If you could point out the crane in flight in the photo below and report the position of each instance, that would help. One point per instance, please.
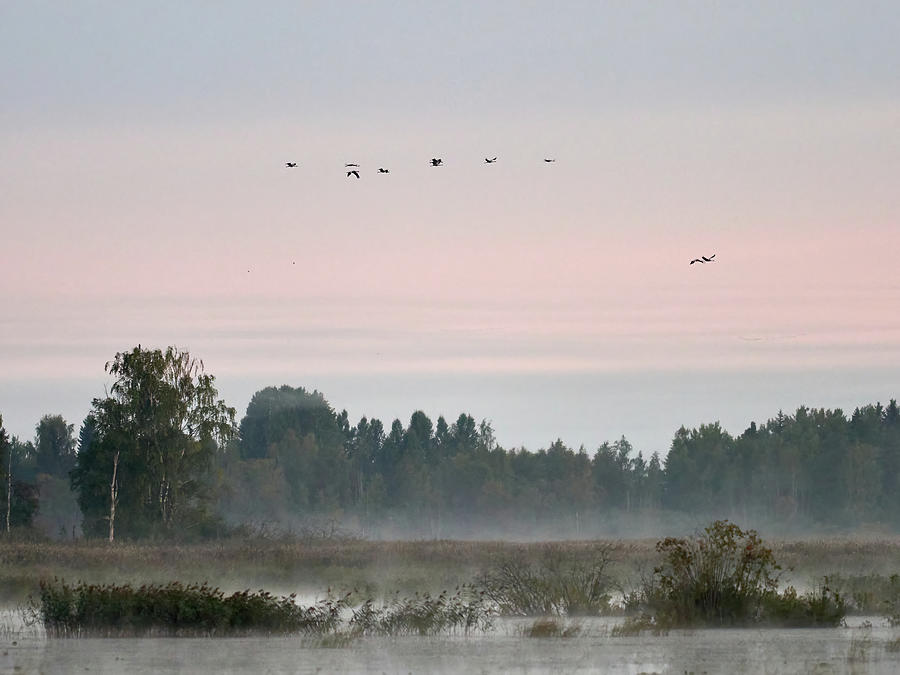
(703, 259)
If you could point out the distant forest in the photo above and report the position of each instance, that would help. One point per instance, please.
(162, 456)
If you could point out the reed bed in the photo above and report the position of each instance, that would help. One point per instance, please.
(199, 610)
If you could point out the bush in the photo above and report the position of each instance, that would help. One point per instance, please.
(822, 607)
(724, 576)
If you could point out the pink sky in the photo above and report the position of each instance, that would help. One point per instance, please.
(140, 185)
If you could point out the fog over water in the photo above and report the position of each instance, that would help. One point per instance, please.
(853, 649)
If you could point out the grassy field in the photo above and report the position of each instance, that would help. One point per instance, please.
(377, 568)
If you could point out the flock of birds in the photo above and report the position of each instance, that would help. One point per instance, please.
(352, 169)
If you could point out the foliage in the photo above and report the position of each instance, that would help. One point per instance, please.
(718, 577)
(175, 609)
(822, 607)
(724, 576)
(156, 432)
(298, 458)
(54, 447)
(23, 502)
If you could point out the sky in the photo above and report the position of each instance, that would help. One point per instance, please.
(144, 199)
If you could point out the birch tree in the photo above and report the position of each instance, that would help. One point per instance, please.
(158, 428)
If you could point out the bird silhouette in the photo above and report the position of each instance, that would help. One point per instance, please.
(290, 165)
(549, 160)
(353, 173)
(703, 259)
(383, 170)
(351, 164)
(436, 161)
(490, 161)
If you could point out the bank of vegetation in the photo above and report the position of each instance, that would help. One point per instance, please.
(722, 576)
(178, 610)
(162, 457)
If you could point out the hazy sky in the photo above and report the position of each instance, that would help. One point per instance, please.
(142, 150)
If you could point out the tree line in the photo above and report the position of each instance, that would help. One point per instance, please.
(161, 455)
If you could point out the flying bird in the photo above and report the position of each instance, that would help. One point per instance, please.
(353, 173)
(290, 165)
(436, 161)
(351, 164)
(703, 259)
(549, 160)
(489, 161)
(383, 170)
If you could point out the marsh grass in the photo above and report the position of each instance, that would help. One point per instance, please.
(464, 610)
(378, 567)
(178, 610)
(871, 594)
(555, 585)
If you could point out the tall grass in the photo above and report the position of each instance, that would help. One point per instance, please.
(465, 610)
(556, 585)
(178, 610)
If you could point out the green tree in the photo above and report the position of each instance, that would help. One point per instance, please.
(18, 498)
(153, 441)
(54, 446)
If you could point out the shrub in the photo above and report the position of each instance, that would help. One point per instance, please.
(724, 576)
(823, 607)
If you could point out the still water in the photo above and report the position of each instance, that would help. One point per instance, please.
(853, 649)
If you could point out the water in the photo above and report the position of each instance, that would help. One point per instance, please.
(853, 649)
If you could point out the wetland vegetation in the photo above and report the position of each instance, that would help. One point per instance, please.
(721, 576)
